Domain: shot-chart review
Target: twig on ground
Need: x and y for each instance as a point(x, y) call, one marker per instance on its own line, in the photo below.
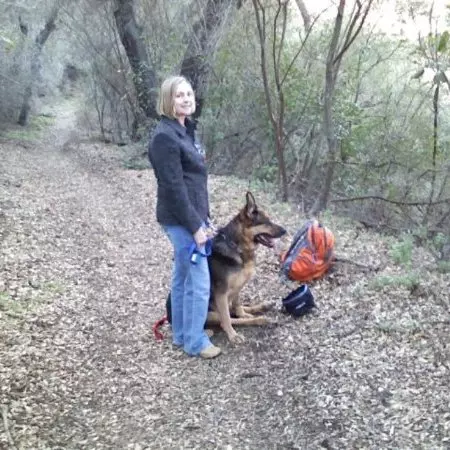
point(348, 333)
point(6, 426)
point(348, 261)
point(438, 322)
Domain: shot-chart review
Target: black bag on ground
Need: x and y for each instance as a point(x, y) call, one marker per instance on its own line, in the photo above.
point(299, 302)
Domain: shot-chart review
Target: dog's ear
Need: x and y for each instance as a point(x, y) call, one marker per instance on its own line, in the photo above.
point(250, 206)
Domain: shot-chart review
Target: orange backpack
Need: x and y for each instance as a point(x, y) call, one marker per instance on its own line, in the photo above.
point(310, 255)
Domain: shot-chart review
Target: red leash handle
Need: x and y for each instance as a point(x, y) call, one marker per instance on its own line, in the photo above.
point(159, 323)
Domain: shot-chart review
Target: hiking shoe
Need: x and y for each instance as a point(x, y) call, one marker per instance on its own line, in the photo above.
point(210, 352)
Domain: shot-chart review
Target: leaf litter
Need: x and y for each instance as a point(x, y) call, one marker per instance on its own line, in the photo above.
point(84, 273)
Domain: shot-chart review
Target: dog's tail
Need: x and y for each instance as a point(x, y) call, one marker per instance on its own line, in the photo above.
point(158, 324)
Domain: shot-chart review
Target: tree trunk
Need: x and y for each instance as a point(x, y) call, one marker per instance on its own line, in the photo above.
point(281, 163)
point(331, 71)
point(304, 12)
point(435, 150)
point(275, 106)
point(144, 78)
point(336, 52)
point(201, 46)
point(26, 106)
point(35, 65)
point(332, 142)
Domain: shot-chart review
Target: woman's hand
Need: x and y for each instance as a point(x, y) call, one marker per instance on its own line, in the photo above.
point(211, 230)
point(200, 237)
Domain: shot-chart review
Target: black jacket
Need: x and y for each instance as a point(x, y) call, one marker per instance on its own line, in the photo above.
point(180, 170)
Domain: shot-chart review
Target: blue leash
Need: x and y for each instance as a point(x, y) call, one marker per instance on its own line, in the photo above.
point(195, 254)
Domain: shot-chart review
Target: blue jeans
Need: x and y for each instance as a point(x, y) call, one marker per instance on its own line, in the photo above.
point(190, 293)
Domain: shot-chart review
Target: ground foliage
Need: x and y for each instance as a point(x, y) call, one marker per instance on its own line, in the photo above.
point(85, 270)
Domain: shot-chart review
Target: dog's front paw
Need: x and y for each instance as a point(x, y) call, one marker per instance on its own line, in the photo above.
point(262, 320)
point(271, 321)
point(235, 338)
point(242, 314)
point(267, 306)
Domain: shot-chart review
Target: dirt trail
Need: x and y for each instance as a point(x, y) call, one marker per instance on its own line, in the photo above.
point(84, 274)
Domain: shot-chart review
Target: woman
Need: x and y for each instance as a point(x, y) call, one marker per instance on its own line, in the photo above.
point(182, 209)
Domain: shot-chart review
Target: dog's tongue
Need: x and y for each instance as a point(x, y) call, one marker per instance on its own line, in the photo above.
point(266, 240)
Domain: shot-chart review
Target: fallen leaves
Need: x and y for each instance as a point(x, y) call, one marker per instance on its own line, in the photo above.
point(85, 271)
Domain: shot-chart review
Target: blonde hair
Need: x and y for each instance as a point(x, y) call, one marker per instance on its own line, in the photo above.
point(166, 104)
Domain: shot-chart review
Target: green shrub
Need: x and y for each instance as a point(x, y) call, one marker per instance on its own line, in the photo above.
point(136, 164)
point(401, 252)
point(408, 281)
point(32, 132)
point(443, 266)
point(267, 173)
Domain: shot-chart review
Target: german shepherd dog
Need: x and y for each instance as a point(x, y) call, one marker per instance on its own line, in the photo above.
point(232, 264)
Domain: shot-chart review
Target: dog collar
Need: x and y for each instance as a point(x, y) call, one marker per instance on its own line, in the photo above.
point(229, 242)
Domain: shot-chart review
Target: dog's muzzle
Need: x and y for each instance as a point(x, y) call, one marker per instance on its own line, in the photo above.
point(267, 239)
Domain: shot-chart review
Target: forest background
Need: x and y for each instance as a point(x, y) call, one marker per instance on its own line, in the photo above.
point(339, 107)
point(336, 105)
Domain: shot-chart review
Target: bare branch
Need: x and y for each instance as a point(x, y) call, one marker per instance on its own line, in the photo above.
point(23, 26)
point(50, 25)
point(260, 24)
point(302, 46)
point(6, 427)
point(274, 47)
point(276, 55)
point(331, 59)
point(383, 199)
point(350, 37)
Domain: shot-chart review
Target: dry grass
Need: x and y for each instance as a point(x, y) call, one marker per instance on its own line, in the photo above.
point(84, 272)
